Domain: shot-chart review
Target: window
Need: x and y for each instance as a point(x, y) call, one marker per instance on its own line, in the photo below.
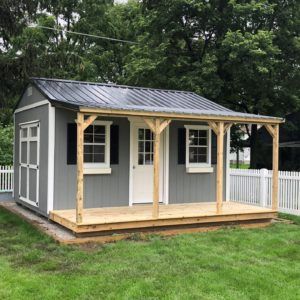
point(198, 147)
point(145, 140)
point(97, 146)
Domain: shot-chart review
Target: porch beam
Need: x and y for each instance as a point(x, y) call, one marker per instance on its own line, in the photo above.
point(226, 127)
point(220, 158)
point(181, 116)
point(163, 125)
point(89, 121)
point(157, 126)
point(213, 126)
point(79, 195)
point(151, 124)
point(271, 130)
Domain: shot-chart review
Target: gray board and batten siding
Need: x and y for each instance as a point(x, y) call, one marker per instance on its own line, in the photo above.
point(192, 187)
point(103, 190)
point(41, 114)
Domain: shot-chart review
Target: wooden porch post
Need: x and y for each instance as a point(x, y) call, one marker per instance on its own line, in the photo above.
point(274, 132)
point(219, 129)
point(156, 126)
point(81, 126)
point(220, 162)
point(79, 196)
point(156, 155)
point(275, 167)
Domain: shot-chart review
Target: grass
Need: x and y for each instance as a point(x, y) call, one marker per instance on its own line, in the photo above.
point(241, 166)
point(226, 264)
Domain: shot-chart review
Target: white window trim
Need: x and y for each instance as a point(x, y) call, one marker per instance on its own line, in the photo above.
point(197, 167)
point(101, 168)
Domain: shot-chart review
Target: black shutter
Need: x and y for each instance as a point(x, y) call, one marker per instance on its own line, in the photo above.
point(114, 144)
point(181, 146)
point(72, 144)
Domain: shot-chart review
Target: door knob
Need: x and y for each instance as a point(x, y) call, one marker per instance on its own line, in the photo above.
point(133, 167)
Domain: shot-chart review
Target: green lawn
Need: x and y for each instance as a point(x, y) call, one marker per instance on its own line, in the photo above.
point(225, 264)
point(241, 166)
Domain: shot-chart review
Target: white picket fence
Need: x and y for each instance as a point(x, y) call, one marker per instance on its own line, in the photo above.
point(255, 187)
point(6, 179)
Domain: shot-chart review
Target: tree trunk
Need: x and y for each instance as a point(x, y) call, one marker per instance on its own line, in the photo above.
point(253, 147)
point(238, 158)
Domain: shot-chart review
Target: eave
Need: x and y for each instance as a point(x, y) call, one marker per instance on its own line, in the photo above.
point(181, 116)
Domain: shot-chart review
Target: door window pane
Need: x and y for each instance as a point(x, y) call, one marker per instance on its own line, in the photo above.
point(24, 132)
point(145, 146)
point(33, 131)
point(24, 152)
point(33, 153)
point(141, 159)
point(32, 184)
point(141, 134)
point(148, 159)
point(23, 182)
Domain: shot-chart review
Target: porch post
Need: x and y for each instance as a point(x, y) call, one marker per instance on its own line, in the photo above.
point(79, 196)
point(274, 132)
point(156, 155)
point(157, 126)
point(275, 168)
point(220, 147)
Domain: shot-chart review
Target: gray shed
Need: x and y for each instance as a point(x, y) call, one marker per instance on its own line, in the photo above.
point(88, 145)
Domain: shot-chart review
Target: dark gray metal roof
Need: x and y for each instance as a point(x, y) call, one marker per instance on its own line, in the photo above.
point(110, 96)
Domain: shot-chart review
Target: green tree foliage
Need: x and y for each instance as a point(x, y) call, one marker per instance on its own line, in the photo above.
point(6, 145)
point(243, 54)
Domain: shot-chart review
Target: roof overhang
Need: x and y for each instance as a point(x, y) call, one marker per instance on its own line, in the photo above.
point(183, 116)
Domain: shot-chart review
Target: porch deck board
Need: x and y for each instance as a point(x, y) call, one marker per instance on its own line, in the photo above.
point(140, 216)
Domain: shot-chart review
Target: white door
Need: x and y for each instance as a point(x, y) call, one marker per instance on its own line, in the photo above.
point(29, 163)
point(142, 164)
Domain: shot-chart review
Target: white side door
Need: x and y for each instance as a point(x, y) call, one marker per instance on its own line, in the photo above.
point(29, 159)
point(142, 164)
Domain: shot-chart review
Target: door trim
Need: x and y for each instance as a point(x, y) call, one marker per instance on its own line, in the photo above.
point(133, 122)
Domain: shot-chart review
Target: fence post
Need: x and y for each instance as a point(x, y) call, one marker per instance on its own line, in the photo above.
point(263, 187)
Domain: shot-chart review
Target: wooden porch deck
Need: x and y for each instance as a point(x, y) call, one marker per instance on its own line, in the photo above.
point(139, 217)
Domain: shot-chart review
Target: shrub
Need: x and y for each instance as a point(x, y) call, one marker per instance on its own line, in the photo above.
point(6, 144)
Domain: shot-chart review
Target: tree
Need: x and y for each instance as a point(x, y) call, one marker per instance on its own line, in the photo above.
point(242, 54)
point(29, 51)
point(6, 145)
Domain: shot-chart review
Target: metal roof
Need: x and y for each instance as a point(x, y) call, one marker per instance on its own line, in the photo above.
point(111, 96)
